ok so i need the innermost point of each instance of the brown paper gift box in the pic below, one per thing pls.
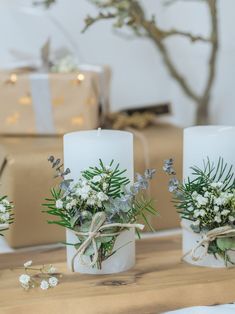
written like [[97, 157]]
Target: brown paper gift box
[[33, 103], [27, 178], [164, 141]]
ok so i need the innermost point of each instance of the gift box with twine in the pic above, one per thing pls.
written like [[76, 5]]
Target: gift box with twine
[[54, 103]]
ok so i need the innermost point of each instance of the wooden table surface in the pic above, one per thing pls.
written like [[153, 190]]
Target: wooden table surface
[[159, 282]]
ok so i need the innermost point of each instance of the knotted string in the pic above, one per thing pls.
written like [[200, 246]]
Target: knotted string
[[95, 231], [207, 238]]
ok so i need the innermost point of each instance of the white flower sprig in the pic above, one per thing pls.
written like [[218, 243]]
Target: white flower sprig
[[207, 201], [44, 277], [6, 216], [102, 189]]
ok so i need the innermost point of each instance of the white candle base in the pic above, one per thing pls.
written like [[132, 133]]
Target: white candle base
[[191, 240], [122, 260]]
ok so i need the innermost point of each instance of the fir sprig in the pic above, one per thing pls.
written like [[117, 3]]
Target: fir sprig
[[207, 200], [116, 179], [101, 188]]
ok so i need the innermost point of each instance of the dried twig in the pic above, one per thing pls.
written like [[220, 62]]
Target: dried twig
[[130, 13]]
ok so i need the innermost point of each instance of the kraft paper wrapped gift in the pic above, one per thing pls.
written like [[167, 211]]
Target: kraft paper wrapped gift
[[27, 178], [40, 103], [153, 145]]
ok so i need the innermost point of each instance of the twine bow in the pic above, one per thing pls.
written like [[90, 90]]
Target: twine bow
[[207, 238], [95, 231]]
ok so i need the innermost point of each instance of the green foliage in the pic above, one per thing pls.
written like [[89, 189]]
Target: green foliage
[[203, 178], [116, 180], [99, 189], [9, 207], [61, 213], [225, 244], [208, 201]]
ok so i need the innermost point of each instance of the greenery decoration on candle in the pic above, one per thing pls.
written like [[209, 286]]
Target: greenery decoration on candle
[[6, 215], [208, 202], [98, 207]]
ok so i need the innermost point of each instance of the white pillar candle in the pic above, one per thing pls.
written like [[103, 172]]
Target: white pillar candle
[[83, 150], [200, 143]]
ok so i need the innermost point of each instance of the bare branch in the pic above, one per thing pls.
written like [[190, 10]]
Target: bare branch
[[188, 35], [203, 113], [154, 34], [91, 20]]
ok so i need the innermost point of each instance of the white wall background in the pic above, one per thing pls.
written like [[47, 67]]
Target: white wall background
[[139, 75]]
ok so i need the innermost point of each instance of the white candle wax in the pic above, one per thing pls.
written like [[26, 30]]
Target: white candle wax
[[82, 150], [200, 143]]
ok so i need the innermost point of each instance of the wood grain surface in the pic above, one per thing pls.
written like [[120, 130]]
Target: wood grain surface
[[159, 282]]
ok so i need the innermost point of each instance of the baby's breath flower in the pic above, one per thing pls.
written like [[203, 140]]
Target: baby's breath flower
[[225, 212], [218, 218], [24, 280], [69, 206], [53, 281], [216, 185], [84, 191], [202, 201], [96, 179], [91, 201], [59, 204], [194, 195], [105, 186], [45, 278], [102, 197], [28, 264], [52, 269], [44, 285], [5, 216], [5, 202], [2, 208]]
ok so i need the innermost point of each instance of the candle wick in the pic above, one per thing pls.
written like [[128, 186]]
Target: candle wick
[[99, 131]]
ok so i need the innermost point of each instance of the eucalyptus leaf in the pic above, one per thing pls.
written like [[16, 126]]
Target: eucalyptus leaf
[[225, 244], [85, 227], [74, 219], [86, 215], [90, 250], [105, 239], [195, 228]]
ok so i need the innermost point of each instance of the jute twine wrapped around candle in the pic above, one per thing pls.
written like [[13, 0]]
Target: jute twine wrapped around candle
[[95, 232], [207, 238]]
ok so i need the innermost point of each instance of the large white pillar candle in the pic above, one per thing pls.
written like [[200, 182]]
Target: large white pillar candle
[[200, 143], [82, 150]]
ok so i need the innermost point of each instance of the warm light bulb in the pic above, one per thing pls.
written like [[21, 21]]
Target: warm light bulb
[[81, 77], [13, 78]]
